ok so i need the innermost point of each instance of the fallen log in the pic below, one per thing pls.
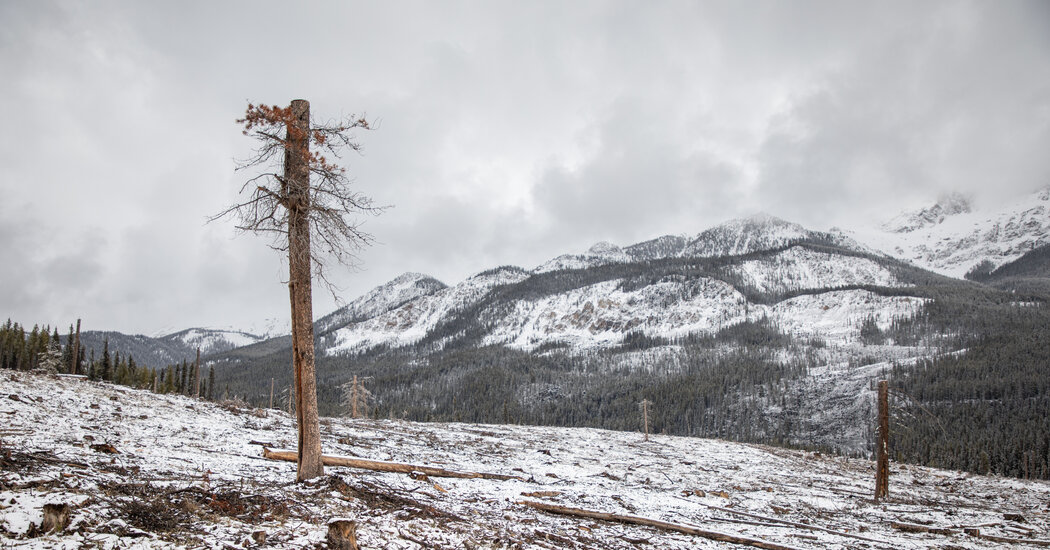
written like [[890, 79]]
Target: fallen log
[[917, 528], [793, 524], [993, 538], [383, 466], [667, 526]]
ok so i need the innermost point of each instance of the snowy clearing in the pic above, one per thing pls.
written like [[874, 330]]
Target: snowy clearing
[[187, 474]]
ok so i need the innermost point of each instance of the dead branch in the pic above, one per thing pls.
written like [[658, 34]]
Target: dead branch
[[667, 526], [382, 466]]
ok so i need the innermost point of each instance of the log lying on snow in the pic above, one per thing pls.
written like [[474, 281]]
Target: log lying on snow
[[917, 528], [667, 526], [972, 531], [382, 466], [793, 524]]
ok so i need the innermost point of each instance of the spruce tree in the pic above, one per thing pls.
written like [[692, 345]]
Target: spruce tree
[[67, 353], [115, 374], [106, 367], [211, 383]]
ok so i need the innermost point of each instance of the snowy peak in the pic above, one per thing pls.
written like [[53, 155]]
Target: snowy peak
[[599, 254], [414, 319], [668, 246], [745, 235], [948, 205], [605, 248], [733, 238], [952, 236], [381, 299], [213, 340]]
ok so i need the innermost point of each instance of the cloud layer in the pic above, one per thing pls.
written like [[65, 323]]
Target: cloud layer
[[508, 132]]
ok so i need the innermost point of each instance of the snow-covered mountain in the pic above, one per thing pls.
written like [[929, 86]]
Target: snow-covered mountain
[[732, 238], [953, 236], [167, 349], [409, 321], [212, 340], [599, 254], [750, 268], [379, 300], [595, 299]]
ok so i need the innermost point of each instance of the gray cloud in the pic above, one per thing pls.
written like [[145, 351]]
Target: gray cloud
[[510, 132], [953, 104]]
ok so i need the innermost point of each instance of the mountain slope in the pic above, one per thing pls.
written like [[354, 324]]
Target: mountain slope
[[379, 300], [952, 237]]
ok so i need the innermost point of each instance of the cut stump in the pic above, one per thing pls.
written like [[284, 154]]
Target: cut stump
[[342, 534]]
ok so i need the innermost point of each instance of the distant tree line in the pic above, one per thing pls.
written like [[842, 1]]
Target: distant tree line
[[42, 349]]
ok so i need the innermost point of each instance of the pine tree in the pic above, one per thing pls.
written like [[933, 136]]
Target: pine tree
[[211, 383], [104, 370], [67, 354], [51, 360]]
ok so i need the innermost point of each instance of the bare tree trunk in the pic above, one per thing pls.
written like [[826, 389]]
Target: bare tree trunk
[[76, 350], [353, 399], [197, 376], [271, 392], [882, 444], [645, 417], [297, 178]]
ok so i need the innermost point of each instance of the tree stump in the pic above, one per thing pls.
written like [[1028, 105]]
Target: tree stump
[[56, 518], [342, 534]]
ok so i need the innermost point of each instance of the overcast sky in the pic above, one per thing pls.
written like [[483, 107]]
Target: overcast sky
[[508, 133]]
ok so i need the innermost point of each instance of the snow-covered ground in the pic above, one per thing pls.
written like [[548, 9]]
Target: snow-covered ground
[[187, 474]]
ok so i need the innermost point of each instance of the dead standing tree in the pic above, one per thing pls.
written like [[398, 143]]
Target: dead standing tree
[[306, 208], [882, 445]]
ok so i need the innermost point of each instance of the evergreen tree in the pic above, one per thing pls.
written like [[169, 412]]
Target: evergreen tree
[[107, 365], [51, 360], [67, 353], [211, 383]]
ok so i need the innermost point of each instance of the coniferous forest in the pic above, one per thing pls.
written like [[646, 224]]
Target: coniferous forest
[[43, 350]]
